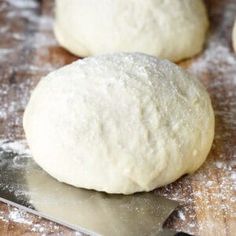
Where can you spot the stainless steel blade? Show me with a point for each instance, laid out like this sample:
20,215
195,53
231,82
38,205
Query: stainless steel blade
23,183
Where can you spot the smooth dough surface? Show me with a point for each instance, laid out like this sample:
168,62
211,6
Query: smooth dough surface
167,29
119,123
234,36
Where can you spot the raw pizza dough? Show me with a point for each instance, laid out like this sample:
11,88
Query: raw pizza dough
164,28
234,36
119,123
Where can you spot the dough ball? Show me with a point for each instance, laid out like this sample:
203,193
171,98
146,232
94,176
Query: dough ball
119,123
234,36
167,29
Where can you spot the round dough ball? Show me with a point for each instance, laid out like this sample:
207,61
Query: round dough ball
168,29
119,123
234,36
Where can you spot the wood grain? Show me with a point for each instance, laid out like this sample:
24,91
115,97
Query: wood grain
29,51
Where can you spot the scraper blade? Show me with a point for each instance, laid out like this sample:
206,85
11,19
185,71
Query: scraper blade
24,184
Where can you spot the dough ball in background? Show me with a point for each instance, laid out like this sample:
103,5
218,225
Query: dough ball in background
234,36
167,29
119,123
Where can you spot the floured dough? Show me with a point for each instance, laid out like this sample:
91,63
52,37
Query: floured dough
234,36
119,123
164,28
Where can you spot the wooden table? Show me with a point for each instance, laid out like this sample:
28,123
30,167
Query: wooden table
28,51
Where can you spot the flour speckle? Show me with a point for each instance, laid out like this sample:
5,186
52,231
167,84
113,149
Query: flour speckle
233,177
219,164
23,3
18,216
210,191
26,39
181,215
19,146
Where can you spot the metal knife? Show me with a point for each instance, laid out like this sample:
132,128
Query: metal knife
25,185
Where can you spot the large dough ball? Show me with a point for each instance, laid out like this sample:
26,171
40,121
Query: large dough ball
119,123
234,36
171,29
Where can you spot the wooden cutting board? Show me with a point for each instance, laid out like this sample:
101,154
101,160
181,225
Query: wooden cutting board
29,51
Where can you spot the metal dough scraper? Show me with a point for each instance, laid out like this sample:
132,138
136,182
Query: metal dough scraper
25,185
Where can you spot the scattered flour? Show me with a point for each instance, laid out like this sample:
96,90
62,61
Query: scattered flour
18,146
214,185
181,215
23,3
19,217
20,37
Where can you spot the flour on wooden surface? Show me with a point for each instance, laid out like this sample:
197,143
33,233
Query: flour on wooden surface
15,44
23,32
217,62
23,3
21,217
16,146
217,196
